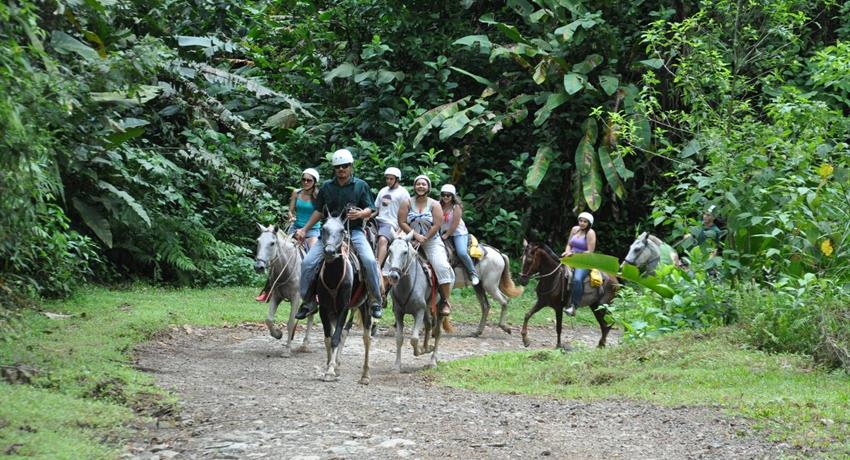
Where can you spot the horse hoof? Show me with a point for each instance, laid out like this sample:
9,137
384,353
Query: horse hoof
397,368
276,333
506,329
431,365
364,380
525,341
329,377
303,349
476,334
415,344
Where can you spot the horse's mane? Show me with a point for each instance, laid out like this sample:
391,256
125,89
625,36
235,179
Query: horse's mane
548,250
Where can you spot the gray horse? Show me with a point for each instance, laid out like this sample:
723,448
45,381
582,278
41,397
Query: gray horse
495,272
278,253
412,295
648,251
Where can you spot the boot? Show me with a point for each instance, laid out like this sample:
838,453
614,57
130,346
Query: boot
262,297
307,308
571,310
377,311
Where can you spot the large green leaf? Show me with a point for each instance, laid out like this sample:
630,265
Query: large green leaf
590,62
609,84
470,40
542,160
631,273
435,117
590,129
128,199
64,44
344,70
610,171
140,95
574,82
95,220
477,78
453,125
610,265
552,102
540,71
644,132
591,182
622,171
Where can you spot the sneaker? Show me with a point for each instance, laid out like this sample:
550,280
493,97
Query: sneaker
262,297
307,309
475,280
377,311
571,310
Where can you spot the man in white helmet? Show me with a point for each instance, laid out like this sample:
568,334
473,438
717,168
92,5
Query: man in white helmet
335,194
386,204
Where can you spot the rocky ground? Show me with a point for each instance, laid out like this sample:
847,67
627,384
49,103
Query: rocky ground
241,398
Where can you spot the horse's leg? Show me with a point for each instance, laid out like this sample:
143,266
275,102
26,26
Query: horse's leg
332,371
559,318
306,342
366,314
273,330
485,308
428,322
503,301
438,333
326,329
399,337
599,313
418,319
537,306
343,336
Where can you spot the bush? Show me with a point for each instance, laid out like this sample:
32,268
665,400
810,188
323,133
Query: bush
806,315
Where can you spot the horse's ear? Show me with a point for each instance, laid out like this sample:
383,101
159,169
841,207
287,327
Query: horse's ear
408,236
524,243
327,211
260,226
274,229
645,236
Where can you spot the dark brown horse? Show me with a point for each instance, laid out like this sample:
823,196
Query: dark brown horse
553,289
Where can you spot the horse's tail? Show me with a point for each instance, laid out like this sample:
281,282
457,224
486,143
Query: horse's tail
447,325
506,283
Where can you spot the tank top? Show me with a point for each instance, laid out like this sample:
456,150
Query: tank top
303,211
421,222
578,243
447,222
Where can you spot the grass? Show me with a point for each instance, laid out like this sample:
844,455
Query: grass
784,394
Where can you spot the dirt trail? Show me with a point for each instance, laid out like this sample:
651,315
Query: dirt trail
241,399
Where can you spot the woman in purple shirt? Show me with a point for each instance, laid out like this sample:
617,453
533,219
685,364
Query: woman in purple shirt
582,239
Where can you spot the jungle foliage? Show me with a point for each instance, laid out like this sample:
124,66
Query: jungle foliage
143,139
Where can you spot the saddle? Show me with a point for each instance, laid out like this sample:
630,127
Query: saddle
476,252
590,283
431,276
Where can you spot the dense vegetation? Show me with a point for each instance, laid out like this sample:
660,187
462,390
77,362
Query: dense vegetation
141,140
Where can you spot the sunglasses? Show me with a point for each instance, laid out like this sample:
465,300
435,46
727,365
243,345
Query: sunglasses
306,179
342,166
446,195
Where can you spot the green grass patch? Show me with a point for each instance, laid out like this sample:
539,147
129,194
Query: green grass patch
784,394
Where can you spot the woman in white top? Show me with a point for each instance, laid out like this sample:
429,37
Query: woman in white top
454,227
423,216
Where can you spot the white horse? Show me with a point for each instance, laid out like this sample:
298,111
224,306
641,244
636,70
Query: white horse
494,271
278,253
648,251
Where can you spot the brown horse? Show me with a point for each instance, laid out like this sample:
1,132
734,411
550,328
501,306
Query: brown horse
553,289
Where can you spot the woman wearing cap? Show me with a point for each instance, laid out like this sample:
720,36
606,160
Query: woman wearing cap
300,210
455,229
387,204
582,239
423,216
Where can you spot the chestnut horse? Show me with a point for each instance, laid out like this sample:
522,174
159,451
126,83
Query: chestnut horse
553,289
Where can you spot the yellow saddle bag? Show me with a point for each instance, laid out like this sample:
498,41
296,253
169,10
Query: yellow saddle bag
596,278
474,250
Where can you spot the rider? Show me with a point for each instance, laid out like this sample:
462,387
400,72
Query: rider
335,195
387,203
582,239
300,210
454,227
423,216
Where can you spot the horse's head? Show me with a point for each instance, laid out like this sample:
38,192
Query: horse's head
333,235
530,261
265,247
400,255
640,252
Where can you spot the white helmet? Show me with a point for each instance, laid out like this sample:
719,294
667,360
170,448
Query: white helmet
342,157
448,188
391,171
588,216
423,176
312,172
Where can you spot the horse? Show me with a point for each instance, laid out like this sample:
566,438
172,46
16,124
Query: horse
647,251
336,282
553,289
279,253
494,272
413,294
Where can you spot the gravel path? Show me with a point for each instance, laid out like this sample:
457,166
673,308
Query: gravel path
241,399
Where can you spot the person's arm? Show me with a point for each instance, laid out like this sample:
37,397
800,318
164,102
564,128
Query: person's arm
567,250
457,213
437,213
591,240
299,234
403,210
292,205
